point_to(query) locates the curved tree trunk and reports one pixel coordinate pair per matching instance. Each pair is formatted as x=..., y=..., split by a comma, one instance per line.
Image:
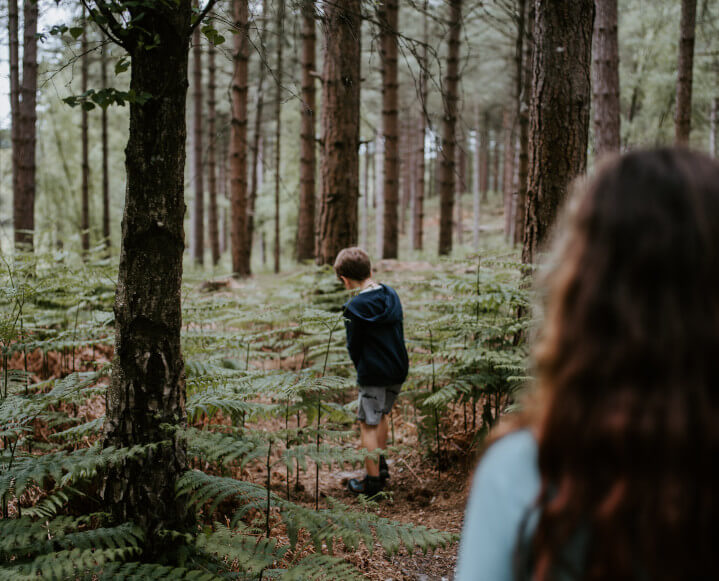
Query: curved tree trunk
x=605, y=78
x=24, y=196
x=559, y=112
x=683, y=117
x=388, y=15
x=340, y=123
x=239, y=230
x=85, y=189
x=147, y=390
x=212, y=218
x=198, y=214
x=306, y=218
x=449, y=123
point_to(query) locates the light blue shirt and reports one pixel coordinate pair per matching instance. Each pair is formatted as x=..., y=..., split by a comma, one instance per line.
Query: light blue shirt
x=504, y=490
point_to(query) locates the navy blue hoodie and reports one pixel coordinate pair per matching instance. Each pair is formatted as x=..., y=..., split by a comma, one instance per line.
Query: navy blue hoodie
x=375, y=337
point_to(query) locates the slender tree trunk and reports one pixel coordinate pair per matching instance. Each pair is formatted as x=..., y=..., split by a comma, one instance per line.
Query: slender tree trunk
x=484, y=157
x=683, y=118
x=306, y=218
x=419, y=190
x=105, y=160
x=278, y=127
x=460, y=189
x=496, y=155
x=526, y=91
x=507, y=170
x=605, y=78
x=379, y=193
x=147, y=389
x=14, y=50
x=476, y=189
x=240, y=235
x=85, y=189
x=198, y=215
x=559, y=112
x=406, y=169
x=213, y=224
x=340, y=122
x=24, y=196
x=388, y=13
x=449, y=123
x=365, y=197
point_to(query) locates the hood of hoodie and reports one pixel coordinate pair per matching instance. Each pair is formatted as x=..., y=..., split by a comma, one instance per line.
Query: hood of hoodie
x=381, y=305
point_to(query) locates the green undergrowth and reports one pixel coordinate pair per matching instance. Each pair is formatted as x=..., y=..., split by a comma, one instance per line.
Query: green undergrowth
x=269, y=389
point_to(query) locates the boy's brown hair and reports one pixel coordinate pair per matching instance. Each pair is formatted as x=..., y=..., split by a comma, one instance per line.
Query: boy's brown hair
x=353, y=263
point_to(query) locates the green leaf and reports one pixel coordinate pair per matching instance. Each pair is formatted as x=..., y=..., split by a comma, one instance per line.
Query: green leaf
x=76, y=32
x=122, y=65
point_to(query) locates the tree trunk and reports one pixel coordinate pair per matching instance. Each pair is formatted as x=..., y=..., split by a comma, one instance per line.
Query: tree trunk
x=683, y=119
x=213, y=218
x=449, y=123
x=460, y=189
x=525, y=92
x=147, y=389
x=105, y=160
x=559, y=112
x=198, y=215
x=365, y=197
x=24, y=196
x=306, y=218
x=406, y=148
x=340, y=122
x=507, y=170
x=713, y=127
x=496, y=154
x=85, y=189
x=484, y=157
x=240, y=234
x=418, y=206
x=388, y=14
x=476, y=189
x=605, y=78
x=278, y=127
x=379, y=193
x=14, y=50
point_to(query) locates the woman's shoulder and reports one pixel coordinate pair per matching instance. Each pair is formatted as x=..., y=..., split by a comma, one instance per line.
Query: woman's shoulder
x=515, y=453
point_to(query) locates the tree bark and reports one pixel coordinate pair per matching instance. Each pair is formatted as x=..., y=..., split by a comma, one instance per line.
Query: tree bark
x=365, y=195
x=484, y=157
x=388, y=14
x=449, y=123
x=713, y=127
x=278, y=127
x=239, y=231
x=14, y=50
x=340, y=122
x=507, y=169
x=460, y=189
x=559, y=112
x=85, y=188
x=476, y=189
x=198, y=207
x=147, y=389
x=683, y=118
x=496, y=154
x=105, y=160
x=379, y=193
x=24, y=196
x=419, y=189
x=212, y=218
x=306, y=218
x=605, y=78
x=525, y=92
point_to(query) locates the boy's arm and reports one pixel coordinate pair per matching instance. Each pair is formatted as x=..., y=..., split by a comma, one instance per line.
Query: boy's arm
x=354, y=338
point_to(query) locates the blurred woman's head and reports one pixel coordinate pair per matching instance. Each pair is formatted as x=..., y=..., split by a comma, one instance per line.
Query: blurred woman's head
x=628, y=366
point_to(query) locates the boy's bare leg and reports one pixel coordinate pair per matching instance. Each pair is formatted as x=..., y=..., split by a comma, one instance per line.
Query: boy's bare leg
x=369, y=437
x=373, y=437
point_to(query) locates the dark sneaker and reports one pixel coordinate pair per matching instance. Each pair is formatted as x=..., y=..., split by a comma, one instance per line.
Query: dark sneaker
x=383, y=468
x=369, y=485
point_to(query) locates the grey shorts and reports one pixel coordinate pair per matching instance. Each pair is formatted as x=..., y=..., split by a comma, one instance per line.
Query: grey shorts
x=375, y=401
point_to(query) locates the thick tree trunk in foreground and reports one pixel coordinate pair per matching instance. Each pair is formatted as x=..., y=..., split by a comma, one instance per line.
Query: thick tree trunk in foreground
x=24, y=195
x=212, y=218
x=449, y=123
x=278, y=127
x=85, y=189
x=105, y=159
x=340, y=122
x=238, y=146
x=605, y=78
x=388, y=15
x=306, y=217
x=559, y=112
x=147, y=390
x=683, y=115
x=525, y=92
x=198, y=214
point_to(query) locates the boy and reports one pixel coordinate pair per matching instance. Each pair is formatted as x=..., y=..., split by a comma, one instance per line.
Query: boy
x=375, y=341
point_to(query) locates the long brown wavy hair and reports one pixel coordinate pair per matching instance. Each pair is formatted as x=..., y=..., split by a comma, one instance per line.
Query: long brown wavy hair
x=628, y=369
